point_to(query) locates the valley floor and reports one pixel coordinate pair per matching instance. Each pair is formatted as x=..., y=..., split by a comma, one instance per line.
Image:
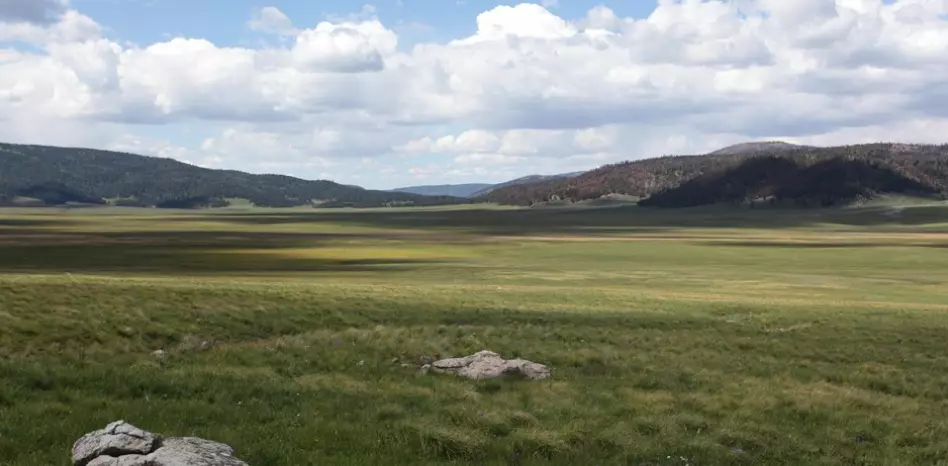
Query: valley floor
x=698, y=337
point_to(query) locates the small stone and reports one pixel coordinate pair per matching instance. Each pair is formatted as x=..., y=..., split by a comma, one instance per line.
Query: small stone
x=159, y=354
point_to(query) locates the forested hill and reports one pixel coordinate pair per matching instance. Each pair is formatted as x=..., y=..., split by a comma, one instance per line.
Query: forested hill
x=925, y=164
x=58, y=174
x=774, y=179
x=529, y=179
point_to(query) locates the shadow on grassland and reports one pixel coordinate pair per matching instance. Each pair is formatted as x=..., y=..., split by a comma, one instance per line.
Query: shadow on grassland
x=601, y=220
x=29, y=222
x=181, y=253
x=192, y=239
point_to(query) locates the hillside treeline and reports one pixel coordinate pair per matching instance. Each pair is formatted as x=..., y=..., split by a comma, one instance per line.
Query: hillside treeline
x=57, y=175
x=924, y=164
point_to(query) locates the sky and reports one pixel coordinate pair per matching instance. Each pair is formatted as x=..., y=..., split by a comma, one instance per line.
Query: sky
x=404, y=92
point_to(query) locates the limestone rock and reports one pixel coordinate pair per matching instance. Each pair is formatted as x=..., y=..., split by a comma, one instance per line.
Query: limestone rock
x=532, y=370
x=121, y=444
x=191, y=451
x=117, y=439
x=127, y=460
x=488, y=365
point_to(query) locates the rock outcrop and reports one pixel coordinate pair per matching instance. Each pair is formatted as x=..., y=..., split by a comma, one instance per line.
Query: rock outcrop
x=122, y=444
x=488, y=365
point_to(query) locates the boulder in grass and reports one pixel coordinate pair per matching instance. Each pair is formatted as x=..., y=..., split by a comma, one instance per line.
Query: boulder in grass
x=485, y=365
x=122, y=444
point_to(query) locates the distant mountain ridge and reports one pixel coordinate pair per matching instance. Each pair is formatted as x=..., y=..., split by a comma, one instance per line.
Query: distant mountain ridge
x=477, y=189
x=527, y=180
x=63, y=174
x=769, y=147
x=457, y=190
x=926, y=164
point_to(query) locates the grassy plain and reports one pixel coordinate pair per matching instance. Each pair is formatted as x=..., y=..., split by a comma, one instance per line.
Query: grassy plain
x=699, y=337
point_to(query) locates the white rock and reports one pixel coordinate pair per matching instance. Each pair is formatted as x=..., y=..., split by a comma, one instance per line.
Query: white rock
x=127, y=460
x=191, y=451
x=117, y=439
x=488, y=365
x=122, y=444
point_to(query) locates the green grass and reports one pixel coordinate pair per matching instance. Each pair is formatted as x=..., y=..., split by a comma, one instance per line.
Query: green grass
x=701, y=337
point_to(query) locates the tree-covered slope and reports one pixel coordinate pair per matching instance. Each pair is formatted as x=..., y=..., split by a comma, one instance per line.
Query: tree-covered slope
x=770, y=147
x=477, y=189
x=926, y=164
x=529, y=179
x=777, y=179
x=89, y=175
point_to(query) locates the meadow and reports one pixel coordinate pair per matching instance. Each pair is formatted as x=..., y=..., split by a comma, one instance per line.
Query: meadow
x=695, y=337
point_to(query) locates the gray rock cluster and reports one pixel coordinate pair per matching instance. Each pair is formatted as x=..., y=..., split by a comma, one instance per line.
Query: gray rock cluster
x=122, y=444
x=488, y=365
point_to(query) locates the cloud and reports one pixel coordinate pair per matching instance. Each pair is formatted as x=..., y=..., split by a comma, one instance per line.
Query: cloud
x=31, y=11
x=344, y=47
x=295, y=150
x=71, y=27
x=601, y=17
x=271, y=20
x=468, y=141
x=525, y=20
x=529, y=90
x=487, y=159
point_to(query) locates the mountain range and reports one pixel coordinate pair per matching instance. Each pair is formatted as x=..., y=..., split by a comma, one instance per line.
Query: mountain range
x=478, y=189
x=769, y=171
x=457, y=190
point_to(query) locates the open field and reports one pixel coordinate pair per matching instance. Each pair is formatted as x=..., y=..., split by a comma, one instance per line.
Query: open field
x=699, y=337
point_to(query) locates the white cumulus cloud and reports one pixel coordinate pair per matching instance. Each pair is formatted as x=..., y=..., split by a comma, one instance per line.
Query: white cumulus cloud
x=271, y=20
